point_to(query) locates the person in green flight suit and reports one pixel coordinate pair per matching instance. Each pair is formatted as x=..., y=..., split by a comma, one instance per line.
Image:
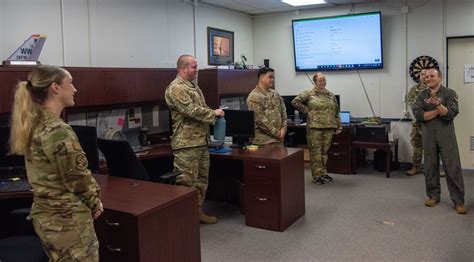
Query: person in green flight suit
x=66, y=197
x=323, y=121
x=416, y=138
x=191, y=118
x=435, y=108
x=270, y=111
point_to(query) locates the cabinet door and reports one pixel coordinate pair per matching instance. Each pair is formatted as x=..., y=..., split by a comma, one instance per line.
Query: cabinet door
x=338, y=163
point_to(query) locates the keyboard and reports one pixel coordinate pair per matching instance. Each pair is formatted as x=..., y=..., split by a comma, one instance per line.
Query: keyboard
x=14, y=185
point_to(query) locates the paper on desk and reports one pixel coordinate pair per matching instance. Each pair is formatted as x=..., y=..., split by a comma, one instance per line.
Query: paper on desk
x=156, y=115
x=107, y=120
x=78, y=119
x=134, y=117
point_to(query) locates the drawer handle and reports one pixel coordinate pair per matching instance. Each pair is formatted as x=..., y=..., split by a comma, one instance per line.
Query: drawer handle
x=260, y=166
x=112, y=224
x=112, y=249
x=261, y=198
x=335, y=143
x=336, y=154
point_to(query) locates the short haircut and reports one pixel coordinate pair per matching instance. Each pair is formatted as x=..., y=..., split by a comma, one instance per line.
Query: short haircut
x=264, y=70
x=183, y=61
x=315, y=76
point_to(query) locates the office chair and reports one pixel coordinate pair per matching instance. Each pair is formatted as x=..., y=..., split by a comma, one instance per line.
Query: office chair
x=87, y=136
x=122, y=162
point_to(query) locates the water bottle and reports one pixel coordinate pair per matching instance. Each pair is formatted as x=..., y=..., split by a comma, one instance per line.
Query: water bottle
x=219, y=129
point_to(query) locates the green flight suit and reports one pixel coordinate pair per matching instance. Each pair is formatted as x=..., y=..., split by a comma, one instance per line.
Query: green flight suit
x=439, y=139
x=191, y=118
x=322, y=119
x=64, y=192
x=270, y=116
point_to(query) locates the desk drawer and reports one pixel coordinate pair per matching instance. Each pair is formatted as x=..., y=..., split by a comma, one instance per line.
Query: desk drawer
x=261, y=209
x=263, y=174
x=339, y=147
x=339, y=163
x=117, y=236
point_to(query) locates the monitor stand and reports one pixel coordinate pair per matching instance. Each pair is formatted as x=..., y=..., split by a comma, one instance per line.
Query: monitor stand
x=239, y=142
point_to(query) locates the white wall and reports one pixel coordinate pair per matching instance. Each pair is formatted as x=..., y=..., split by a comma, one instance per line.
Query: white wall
x=119, y=33
x=460, y=18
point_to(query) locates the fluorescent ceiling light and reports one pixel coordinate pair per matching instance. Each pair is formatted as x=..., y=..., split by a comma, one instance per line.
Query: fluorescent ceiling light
x=303, y=2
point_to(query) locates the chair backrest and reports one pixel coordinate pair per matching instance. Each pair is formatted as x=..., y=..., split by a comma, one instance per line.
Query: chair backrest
x=121, y=160
x=5, y=159
x=87, y=136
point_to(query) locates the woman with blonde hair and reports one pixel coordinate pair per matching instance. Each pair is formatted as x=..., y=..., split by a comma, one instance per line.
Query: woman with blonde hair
x=323, y=121
x=65, y=195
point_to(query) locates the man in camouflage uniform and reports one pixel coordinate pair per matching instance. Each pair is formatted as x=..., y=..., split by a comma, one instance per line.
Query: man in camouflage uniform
x=270, y=111
x=416, y=138
x=435, y=108
x=323, y=119
x=191, y=118
x=66, y=196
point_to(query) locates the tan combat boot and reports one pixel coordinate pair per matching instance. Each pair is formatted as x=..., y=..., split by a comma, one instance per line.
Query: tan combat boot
x=205, y=219
x=414, y=171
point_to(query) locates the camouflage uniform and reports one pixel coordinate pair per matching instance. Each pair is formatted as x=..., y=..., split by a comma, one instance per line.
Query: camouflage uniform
x=270, y=116
x=323, y=117
x=416, y=138
x=191, y=118
x=439, y=139
x=65, y=193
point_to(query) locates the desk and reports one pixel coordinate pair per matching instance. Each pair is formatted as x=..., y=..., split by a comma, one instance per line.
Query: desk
x=385, y=146
x=273, y=181
x=144, y=221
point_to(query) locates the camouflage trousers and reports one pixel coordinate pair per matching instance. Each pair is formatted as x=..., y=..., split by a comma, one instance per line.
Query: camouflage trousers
x=319, y=141
x=194, y=165
x=417, y=144
x=66, y=240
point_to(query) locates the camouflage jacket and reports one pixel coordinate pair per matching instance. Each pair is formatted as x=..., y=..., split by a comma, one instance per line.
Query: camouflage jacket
x=56, y=165
x=189, y=113
x=270, y=115
x=413, y=93
x=321, y=107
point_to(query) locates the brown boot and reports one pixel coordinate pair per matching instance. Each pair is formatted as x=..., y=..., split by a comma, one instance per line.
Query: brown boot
x=414, y=171
x=205, y=219
x=460, y=209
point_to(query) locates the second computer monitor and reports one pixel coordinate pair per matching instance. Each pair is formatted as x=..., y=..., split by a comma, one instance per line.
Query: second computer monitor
x=240, y=124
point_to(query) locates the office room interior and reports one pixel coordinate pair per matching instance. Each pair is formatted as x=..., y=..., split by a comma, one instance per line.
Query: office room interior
x=154, y=33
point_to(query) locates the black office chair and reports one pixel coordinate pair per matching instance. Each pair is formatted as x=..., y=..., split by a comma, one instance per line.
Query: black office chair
x=87, y=136
x=122, y=162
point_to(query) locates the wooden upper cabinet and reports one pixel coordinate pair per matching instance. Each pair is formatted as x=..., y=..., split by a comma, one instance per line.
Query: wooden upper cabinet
x=219, y=83
x=98, y=86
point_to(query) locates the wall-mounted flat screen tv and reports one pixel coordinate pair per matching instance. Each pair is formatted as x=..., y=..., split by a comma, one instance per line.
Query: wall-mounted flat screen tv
x=348, y=42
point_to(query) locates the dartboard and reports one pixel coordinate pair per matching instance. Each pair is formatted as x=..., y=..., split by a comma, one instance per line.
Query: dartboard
x=420, y=63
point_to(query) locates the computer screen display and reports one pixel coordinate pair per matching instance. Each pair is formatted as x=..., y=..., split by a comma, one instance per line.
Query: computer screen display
x=240, y=124
x=345, y=117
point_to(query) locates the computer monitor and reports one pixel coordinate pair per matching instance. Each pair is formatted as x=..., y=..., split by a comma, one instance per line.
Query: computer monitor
x=240, y=124
x=7, y=160
x=345, y=117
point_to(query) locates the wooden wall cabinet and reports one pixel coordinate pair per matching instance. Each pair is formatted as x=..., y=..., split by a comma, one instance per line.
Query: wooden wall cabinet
x=98, y=86
x=218, y=83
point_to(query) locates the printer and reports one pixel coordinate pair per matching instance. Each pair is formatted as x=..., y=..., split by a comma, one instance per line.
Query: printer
x=371, y=133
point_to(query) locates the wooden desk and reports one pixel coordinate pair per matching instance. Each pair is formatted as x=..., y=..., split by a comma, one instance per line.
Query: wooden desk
x=144, y=221
x=273, y=182
x=385, y=146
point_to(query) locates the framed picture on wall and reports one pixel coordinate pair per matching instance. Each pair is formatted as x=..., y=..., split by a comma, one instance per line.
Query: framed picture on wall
x=220, y=46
